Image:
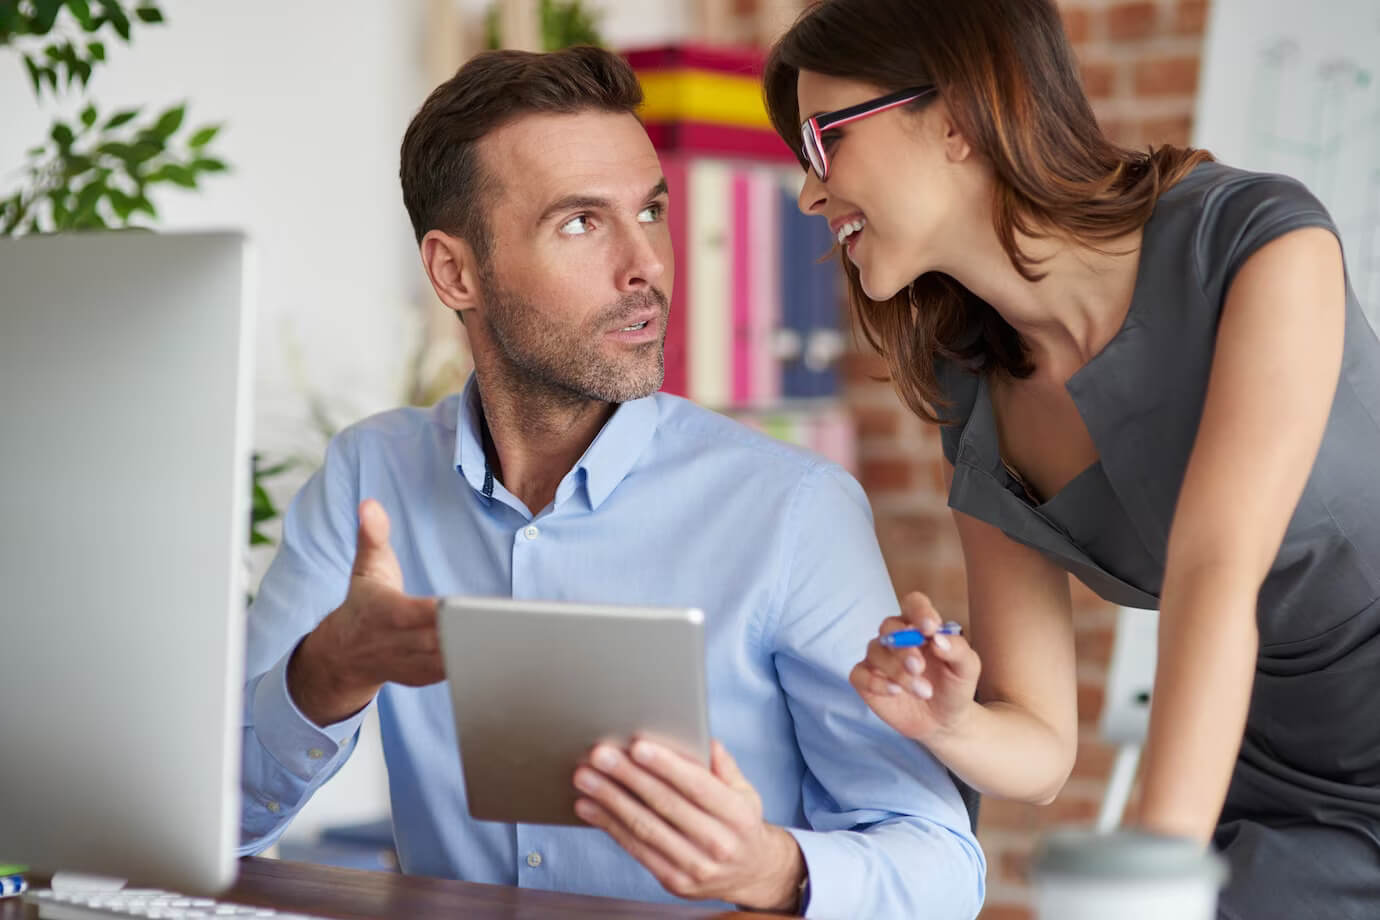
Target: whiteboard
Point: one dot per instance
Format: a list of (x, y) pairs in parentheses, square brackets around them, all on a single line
[(1294, 88)]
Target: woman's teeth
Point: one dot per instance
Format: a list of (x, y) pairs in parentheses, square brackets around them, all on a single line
[(850, 228)]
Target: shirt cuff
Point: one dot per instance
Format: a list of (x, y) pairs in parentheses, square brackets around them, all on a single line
[(829, 867), (303, 748)]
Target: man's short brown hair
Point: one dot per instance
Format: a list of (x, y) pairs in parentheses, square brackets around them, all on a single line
[(444, 184)]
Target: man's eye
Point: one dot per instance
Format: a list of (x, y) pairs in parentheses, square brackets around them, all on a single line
[(576, 226), (651, 213)]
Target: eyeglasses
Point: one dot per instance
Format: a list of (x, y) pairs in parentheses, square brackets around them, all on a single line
[(812, 130)]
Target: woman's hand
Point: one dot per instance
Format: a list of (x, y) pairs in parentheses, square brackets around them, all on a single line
[(923, 692)]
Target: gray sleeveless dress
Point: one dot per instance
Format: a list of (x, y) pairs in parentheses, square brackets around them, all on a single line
[(1301, 825)]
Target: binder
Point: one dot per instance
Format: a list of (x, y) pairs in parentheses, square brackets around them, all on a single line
[(674, 168), (764, 305), (710, 284)]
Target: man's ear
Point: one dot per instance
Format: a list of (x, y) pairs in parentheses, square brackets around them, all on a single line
[(451, 265)]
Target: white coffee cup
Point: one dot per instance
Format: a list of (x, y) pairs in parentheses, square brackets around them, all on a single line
[(1125, 875)]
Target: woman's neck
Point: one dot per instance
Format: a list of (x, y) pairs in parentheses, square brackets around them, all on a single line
[(1071, 313)]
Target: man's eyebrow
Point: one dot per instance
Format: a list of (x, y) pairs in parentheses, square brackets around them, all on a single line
[(573, 203), (592, 202)]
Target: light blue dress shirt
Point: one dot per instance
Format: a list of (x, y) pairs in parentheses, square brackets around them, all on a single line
[(671, 504)]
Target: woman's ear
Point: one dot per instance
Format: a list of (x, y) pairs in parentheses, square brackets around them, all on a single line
[(453, 270), (956, 146)]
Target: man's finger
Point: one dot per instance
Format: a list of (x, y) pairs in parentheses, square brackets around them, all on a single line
[(671, 878), (642, 823), (374, 558), (415, 614), (691, 779), (686, 815), (726, 768)]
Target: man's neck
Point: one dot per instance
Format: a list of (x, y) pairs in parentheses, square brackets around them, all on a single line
[(535, 435)]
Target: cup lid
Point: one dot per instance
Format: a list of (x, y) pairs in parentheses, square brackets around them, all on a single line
[(1124, 856)]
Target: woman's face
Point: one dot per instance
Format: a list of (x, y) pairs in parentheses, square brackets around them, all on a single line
[(904, 177)]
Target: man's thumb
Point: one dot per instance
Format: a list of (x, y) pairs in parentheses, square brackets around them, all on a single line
[(373, 555)]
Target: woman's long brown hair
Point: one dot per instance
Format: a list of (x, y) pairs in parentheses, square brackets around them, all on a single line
[(1006, 72)]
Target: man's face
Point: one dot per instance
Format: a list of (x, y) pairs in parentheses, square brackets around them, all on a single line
[(574, 290)]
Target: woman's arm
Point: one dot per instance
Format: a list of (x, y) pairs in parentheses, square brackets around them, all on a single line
[(1021, 740), (1274, 373)]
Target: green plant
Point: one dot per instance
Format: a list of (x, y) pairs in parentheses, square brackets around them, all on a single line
[(263, 509), (97, 170), (563, 23)]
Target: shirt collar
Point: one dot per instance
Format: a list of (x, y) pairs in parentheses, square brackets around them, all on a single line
[(606, 462)]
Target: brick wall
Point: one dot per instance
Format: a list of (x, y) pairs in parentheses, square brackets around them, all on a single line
[(1140, 68)]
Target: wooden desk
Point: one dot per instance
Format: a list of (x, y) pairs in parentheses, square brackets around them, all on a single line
[(359, 895)]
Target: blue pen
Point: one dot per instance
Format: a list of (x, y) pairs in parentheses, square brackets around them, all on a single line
[(914, 638)]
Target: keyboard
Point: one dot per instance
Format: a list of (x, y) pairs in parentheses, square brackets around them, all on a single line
[(145, 903)]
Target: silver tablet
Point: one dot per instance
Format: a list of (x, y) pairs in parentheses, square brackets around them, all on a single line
[(536, 684)]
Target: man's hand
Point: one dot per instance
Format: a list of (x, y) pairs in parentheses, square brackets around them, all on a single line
[(698, 831), (379, 634)]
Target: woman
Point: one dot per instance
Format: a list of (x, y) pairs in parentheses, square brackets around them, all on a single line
[(1151, 373)]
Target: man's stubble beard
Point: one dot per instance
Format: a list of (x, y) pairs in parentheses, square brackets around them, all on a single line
[(567, 366)]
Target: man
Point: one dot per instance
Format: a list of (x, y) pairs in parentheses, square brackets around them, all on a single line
[(560, 473)]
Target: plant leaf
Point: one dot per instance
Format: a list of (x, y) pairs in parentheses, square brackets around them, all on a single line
[(149, 14), (62, 135), (96, 50), (15, 209), (142, 203), (90, 194), (277, 469), (121, 118), (116, 17), (76, 164), (180, 175), (204, 136), (44, 15), (88, 116), (145, 150), (208, 164), (169, 122), (82, 11), (35, 76), (121, 204)]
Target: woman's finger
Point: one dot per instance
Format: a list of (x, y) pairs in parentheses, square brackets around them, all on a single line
[(890, 663), (919, 612), (893, 624), (867, 680), (957, 655), (902, 667)]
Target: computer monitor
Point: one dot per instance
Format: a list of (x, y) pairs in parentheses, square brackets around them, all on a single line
[(124, 465)]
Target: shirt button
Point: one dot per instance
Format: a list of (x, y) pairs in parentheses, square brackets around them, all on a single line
[(273, 806), (316, 753), (531, 533), (534, 859)]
